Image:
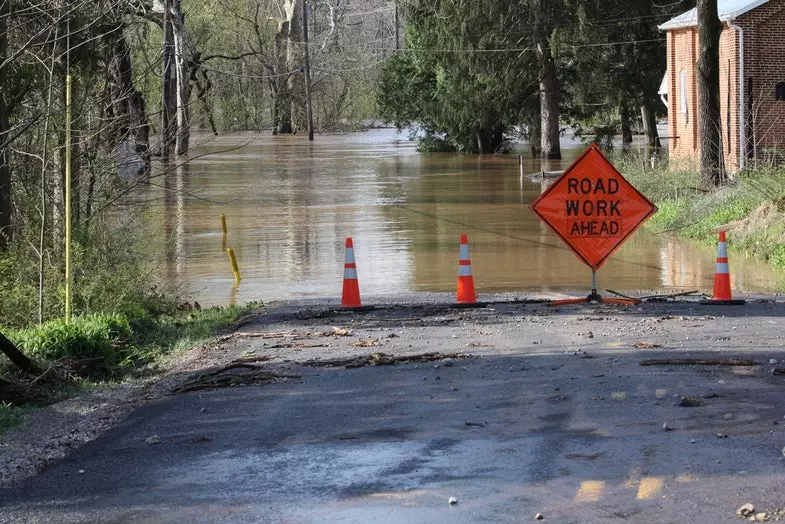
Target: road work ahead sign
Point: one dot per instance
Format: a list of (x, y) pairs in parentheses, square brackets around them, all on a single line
[(593, 208)]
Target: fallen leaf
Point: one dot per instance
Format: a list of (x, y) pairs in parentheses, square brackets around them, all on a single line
[(366, 343)]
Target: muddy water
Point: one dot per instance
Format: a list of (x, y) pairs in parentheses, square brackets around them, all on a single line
[(290, 204)]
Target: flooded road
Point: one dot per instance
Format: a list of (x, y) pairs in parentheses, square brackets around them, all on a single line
[(290, 204)]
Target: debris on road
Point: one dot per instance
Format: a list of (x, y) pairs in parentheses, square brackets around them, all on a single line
[(337, 332), (382, 359), (453, 501), (241, 374), (155, 439), (239, 334), (745, 511), (366, 343), (689, 402), (538, 516), (646, 345), (700, 362)]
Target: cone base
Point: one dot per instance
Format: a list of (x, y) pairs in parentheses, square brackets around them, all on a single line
[(732, 302), (467, 305), (357, 308)]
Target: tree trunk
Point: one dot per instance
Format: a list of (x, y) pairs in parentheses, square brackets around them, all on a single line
[(549, 104), (183, 83), (650, 128), (279, 85), (708, 75), (19, 359), (626, 124), (5, 169), (128, 121), (295, 58), (169, 79), (489, 140)]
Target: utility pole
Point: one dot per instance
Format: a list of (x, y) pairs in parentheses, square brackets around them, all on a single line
[(308, 104), (67, 182), (166, 75)]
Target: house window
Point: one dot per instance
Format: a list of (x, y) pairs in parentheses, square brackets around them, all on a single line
[(683, 95), (780, 91)]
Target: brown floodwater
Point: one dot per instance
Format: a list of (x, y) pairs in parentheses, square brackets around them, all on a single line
[(290, 204)]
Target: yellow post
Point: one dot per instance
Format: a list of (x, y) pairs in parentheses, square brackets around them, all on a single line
[(233, 261), (223, 228), (68, 277)]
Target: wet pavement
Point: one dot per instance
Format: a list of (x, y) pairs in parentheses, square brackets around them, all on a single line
[(550, 412)]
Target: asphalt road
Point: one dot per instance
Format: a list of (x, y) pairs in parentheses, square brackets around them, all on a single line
[(553, 414)]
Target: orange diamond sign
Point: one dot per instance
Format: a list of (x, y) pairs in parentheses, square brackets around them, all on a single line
[(593, 208)]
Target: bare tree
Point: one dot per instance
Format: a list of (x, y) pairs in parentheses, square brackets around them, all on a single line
[(5, 171)]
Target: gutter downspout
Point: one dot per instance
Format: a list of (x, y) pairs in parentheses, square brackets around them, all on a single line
[(742, 116)]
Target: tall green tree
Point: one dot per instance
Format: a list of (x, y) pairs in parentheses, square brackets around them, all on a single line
[(617, 64), (464, 76)]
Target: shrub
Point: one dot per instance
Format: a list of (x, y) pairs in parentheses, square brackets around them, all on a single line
[(100, 337)]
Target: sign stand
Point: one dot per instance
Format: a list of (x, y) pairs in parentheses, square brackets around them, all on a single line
[(593, 209), (595, 297)]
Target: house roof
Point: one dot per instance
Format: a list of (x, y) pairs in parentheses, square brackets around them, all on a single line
[(726, 9)]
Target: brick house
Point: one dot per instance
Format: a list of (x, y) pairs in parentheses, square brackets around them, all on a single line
[(752, 110)]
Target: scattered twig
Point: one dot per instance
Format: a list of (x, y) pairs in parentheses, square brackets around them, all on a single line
[(621, 294), (251, 359), (381, 359), (670, 295), (699, 362), (241, 334)]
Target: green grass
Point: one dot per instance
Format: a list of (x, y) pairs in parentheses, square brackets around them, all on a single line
[(118, 346), (751, 208)]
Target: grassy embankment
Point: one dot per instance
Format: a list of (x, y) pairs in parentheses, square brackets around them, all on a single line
[(751, 208), (123, 328), (101, 349)]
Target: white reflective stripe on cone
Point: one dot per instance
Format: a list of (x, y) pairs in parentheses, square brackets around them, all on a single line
[(350, 272), (722, 268), (350, 255), (464, 271), (464, 253), (722, 250)]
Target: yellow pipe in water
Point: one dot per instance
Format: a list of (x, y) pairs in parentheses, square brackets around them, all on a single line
[(223, 228), (235, 268)]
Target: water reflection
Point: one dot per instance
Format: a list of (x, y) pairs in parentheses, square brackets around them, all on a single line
[(289, 205)]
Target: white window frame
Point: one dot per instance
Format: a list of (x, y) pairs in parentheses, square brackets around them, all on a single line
[(683, 96)]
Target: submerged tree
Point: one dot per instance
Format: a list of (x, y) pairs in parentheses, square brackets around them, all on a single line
[(462, 78)]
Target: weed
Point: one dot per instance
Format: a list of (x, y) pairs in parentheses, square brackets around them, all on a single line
[(10, 416)]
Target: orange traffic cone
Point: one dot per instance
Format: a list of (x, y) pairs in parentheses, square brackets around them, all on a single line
[(722, 294), (351, 286), (466, 293)]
